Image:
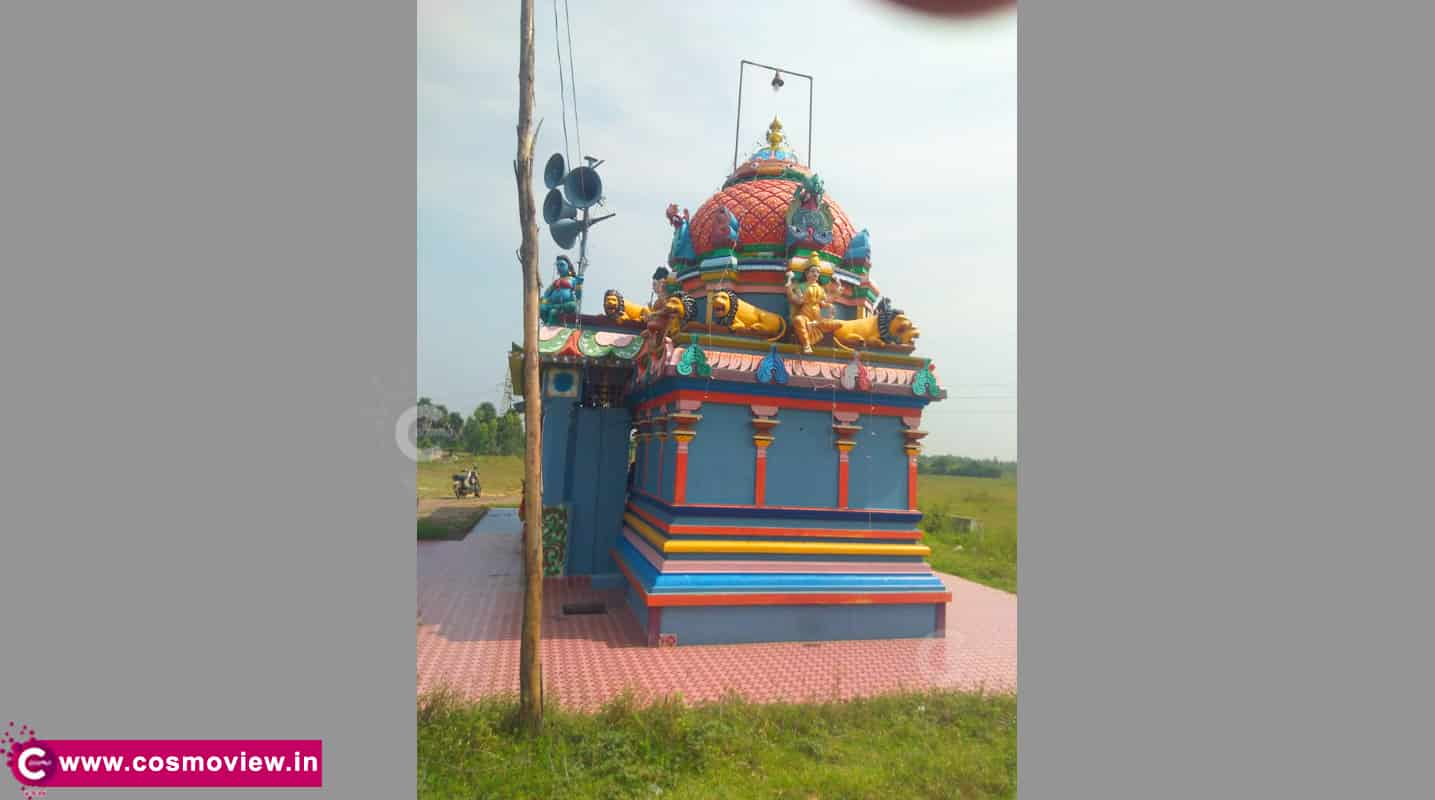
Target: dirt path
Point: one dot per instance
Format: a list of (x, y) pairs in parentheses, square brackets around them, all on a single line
[(428, 505)]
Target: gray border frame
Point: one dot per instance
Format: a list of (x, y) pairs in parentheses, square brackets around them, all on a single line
[(207, 279), (1224, 399), (209, 299)]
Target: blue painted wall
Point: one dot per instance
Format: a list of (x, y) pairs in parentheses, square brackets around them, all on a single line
[(557, 420), (776, 303), (877, 466), (802, 462), (720, 457), (598, 467), (724, 624)]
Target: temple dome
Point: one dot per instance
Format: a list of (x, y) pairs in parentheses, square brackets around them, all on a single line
[(759, 193), (760, 205)]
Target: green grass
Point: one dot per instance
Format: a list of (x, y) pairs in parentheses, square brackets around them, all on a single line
[(928, 745), (987, 555), (453, 522), (499, 475)]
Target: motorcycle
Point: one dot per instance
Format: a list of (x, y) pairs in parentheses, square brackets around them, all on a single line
[(465, 484)]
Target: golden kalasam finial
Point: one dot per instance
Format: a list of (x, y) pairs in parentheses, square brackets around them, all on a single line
[(774, 134)]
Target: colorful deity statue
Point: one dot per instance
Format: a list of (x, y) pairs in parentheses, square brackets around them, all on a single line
[(662, 278), (562, 296), (681, 250), (809, 218), (810, 300)]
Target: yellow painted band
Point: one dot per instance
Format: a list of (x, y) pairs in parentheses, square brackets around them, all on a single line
[(665, 545), (645, 530)]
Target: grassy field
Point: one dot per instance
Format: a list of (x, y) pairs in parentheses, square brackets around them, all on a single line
[(929, 745), (501, 477), (988, 555)]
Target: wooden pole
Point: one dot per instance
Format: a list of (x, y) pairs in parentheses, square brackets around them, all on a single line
[(530, 680)]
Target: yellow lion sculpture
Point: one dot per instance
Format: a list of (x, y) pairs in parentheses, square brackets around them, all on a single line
[(622, 312), (888, 326), (670, 316), (741, 316)]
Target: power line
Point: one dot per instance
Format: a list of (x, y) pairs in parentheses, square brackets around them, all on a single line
[(562, 90), (577, 128)]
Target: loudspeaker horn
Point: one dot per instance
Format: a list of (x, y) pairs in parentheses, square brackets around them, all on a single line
[(553, 171), (583, 187), (565, 231), (556, 208)]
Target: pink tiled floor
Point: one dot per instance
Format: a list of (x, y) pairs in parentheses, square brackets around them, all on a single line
[(470, 603)]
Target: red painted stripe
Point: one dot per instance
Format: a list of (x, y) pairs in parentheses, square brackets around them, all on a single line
[(680, 474), (705, 566), (777, 275), (732, 398), (851, 512), (759, 480), (783, 599), (798, 599), (735, 530)]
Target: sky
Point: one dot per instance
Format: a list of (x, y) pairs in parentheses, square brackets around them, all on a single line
[(914, 134)]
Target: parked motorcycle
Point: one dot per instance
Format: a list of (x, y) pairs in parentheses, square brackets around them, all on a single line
[(465, 484)]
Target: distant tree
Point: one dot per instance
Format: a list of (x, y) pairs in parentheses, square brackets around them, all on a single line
[(969, 467), (509, 434), (478, 436), (485, 411)]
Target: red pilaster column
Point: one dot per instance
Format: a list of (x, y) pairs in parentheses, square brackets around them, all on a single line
[(764, 419), (845, 426), (683, 421), (911, 480), (660, 431), (680, 469), (913, 447)]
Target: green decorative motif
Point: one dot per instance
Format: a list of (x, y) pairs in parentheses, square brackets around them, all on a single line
[(925, 382), (589, 345), (555, 342), (555, 540), (694, 360)]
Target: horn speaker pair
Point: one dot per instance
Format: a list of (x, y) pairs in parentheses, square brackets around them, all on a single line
[(565, 231), (582, 186)]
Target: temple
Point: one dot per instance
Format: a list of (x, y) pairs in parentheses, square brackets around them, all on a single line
[(739, 453)]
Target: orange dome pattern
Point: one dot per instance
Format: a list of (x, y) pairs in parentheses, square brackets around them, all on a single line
[(761, 208)]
